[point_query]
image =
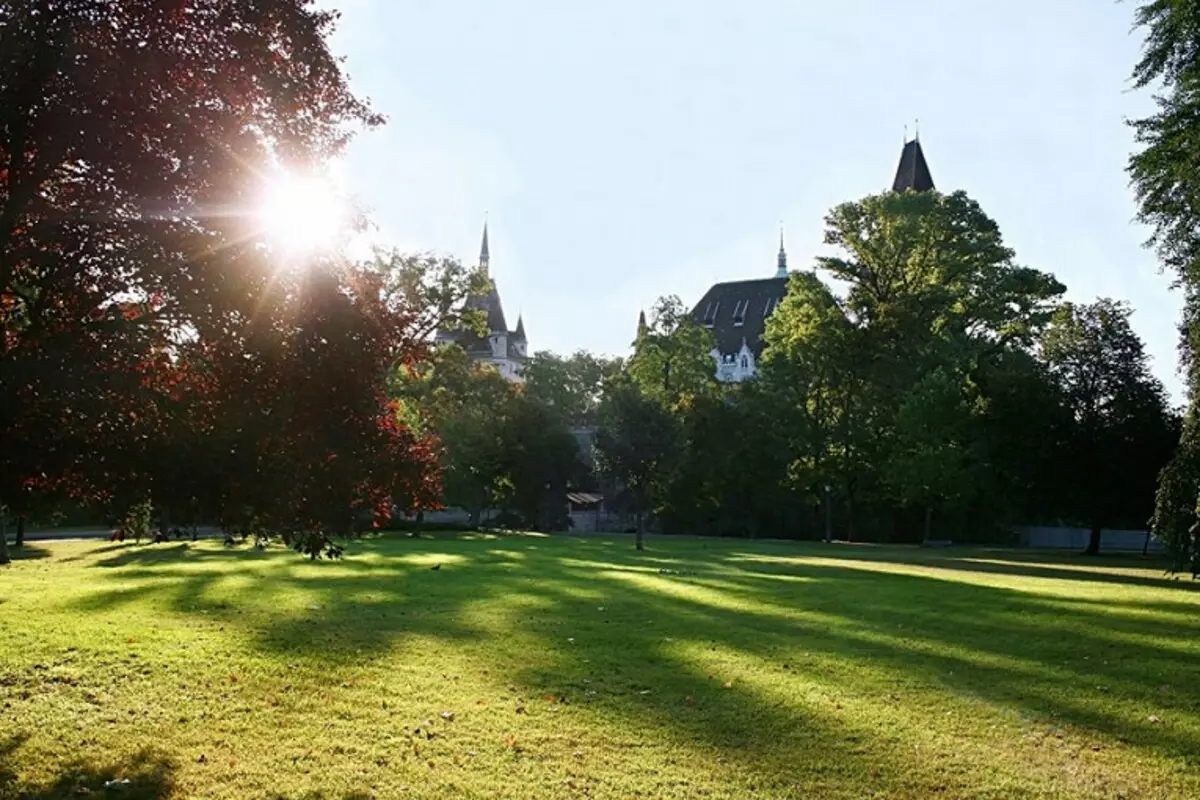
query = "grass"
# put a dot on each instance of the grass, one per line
(575, 667)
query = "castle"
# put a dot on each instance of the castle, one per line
(736, 311)
(504, 349)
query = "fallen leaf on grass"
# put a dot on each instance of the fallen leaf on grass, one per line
(520, 709)
(448, 716)
(688, 699)
(1155, 719)
(728, 684)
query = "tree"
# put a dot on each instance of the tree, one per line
(466, 405)
(1166, 179)
(571, 385)
(930, 287)
(934, 460)
(1025, 429)
(637, 444)
(816, 365)
(1119, 408)
(540, 459)
(134, 138)
(672, 361)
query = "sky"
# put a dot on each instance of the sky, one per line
(626, 150)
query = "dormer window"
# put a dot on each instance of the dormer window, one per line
(745, 363)
(772, 304)
(739, 313)
(710, 313)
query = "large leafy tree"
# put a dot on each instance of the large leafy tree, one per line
(672, 362)
(929, 286)
(637, 447)
(1166, 179)
(817, 369)
(143, 321)
(1122, 430)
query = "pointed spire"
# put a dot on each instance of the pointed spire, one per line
(781, 270)
(519, 333)
(642, 321)
(913, 172)
(484, 256)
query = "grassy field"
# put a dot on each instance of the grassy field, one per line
(532, 667)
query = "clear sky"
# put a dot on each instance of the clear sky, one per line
(628, 149)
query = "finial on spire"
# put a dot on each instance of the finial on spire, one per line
(781, 269)
(484, 255)
(917, 130)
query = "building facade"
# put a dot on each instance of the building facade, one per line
(736, 311)
(504, 349)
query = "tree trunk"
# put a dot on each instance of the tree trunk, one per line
(20, 530)
(4, 558)
(638, 535)
(1146, 544)
(928, 523)
(1093, 548)
(850, 518)
(828, 517)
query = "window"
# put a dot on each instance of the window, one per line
(710, 313)
(772, 304)
(745, 363)
(739, 312)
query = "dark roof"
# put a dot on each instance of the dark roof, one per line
(519, 333)
(490, 303)
(717, 308)
(484, 255)
(913, 172)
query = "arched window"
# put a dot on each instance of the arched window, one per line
(745, 363)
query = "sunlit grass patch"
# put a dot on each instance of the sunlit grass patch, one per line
(576, 667)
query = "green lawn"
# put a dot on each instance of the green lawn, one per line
(571, 667)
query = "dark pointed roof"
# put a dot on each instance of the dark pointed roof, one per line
(519, 333)
(913, 172)
(484, 255)
(737, 312)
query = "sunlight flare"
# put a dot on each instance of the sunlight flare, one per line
(301, 213)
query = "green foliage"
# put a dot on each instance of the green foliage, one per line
(935, 459)
(138, 522)
(882, 383)
(501, 446)
(571, 385)
(1166, 171)
(1122, 429)
(637, 445)
(1166, 178)
(672, 361)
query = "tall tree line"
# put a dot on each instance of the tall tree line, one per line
(944, 392)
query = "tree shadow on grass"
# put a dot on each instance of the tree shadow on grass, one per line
(840, 628)
(144, 776)
(1055, 565)
(27, 552)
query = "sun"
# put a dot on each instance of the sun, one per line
(302, 213)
